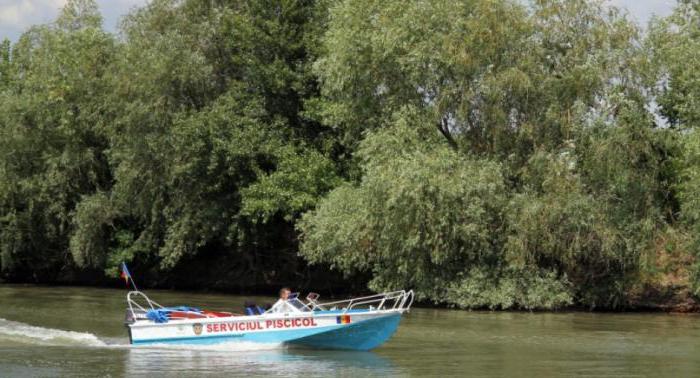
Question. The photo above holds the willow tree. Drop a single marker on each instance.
(673, 47)
(541, 89)
(496, 77)
(53, 115)
(210, 151)
(426, 217)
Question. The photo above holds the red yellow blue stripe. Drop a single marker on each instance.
(342, 319)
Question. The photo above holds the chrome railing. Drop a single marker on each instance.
(140, 304)
(143, 304)
(395, 300)
(132, 301)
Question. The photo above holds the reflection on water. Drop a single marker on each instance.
(154, 361)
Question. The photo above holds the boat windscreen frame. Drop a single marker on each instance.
(298, 304)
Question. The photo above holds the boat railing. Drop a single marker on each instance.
(142, 303)
(395, 300)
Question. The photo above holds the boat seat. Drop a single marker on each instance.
(253, 309)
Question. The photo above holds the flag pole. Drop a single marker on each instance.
(133, 283)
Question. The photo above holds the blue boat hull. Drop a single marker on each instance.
(366, 335)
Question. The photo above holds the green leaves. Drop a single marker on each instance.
(420, 215)
(383, 55)
(52, 149)
(553, 97)
(296, 185)
(187, 135)
(79, 14)
(673, 46)
(209, 149)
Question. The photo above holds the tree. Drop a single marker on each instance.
(5, 66)
(673, 45)
(210, 152)
(555, 93)
(423, 216)
(52, 123)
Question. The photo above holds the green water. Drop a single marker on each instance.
(58, 331)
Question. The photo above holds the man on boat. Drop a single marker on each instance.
(282, 305)
(284, 293)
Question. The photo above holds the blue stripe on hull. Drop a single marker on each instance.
(363, 335)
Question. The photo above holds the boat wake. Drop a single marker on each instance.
(12, 332)
(248, 358)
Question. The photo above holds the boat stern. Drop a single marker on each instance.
(361, 336)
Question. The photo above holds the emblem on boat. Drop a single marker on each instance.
(197, 328)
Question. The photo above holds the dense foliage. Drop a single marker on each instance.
(488, 154)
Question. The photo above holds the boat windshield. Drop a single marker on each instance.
(292, 304)
(299, 305)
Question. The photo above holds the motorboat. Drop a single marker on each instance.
(362, 323)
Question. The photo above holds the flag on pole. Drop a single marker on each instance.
(125, 274)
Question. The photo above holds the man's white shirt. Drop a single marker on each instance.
(282, 306)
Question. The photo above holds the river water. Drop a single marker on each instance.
(69, 331)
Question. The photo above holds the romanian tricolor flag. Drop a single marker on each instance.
(125, 274)
(342, 319)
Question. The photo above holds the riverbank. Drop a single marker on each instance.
(657, 302)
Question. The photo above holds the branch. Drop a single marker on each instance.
(444, 129)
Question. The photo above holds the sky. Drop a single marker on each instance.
(17, 15)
